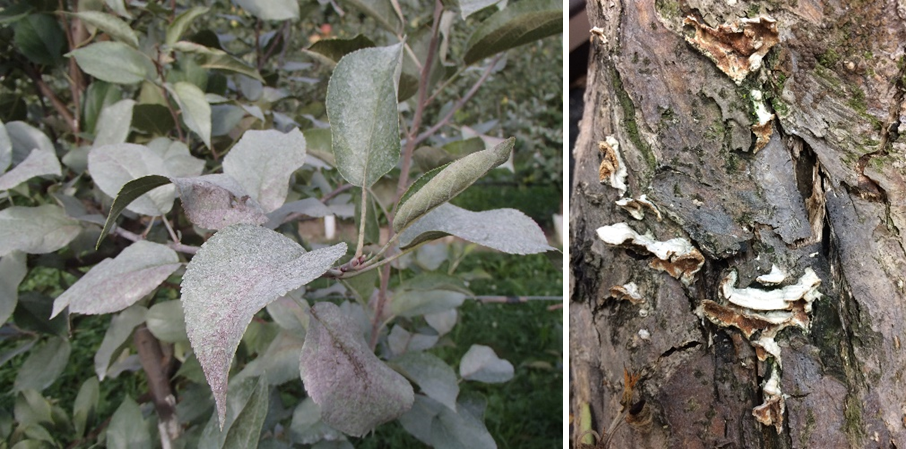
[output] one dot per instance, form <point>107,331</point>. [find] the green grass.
<point>538,201</point>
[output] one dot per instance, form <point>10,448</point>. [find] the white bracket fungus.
<point>779,299</point>
<point>599,32</point>
<point>675,256</point>
<point>627,292</point>
<point>771,411</point>
<point>636,207</point>
<point>775,277</point>
<point>612,170</point>
<point>762,314</point>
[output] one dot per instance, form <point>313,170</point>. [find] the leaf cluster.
<point>167,164</point>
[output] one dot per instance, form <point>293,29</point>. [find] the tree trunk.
<point>817,192</point>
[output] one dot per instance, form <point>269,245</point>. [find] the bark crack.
<point>868,188</point>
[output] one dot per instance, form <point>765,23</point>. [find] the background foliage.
<point>280,83</point>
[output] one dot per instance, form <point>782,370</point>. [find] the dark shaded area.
<point>576,106</point>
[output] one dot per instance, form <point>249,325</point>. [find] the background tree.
<point>764,138</point>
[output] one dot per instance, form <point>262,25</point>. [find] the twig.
<point>420,106</point>
<point>446,83</point>
<point>93,435</point>
<point>287,37</point>
<point>277,38</point>
<point>170,229</point>
<point>156,370</point>
<point>379,308</point>
<point>459,103</point>
<point>258,43</point>
<point>131,236</point>
<point>58,104</point>
<point>362,219</point>
<point>73,33</point>
<point>160,74</point>
<point>331,195</point>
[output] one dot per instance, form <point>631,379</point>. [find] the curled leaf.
<point>450,181</point>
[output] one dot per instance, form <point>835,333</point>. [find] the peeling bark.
<point>826,192</point>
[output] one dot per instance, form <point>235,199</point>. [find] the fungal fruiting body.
<point>762,314</point>
<point>612,170</point>
<point>675,256</point>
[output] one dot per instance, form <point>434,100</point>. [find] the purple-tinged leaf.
<point>235,274</point>
<point>217,201</point>
<point>114,284</point>
<point>355,390</point>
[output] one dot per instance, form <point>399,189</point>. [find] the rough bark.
<point>826,192</point>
